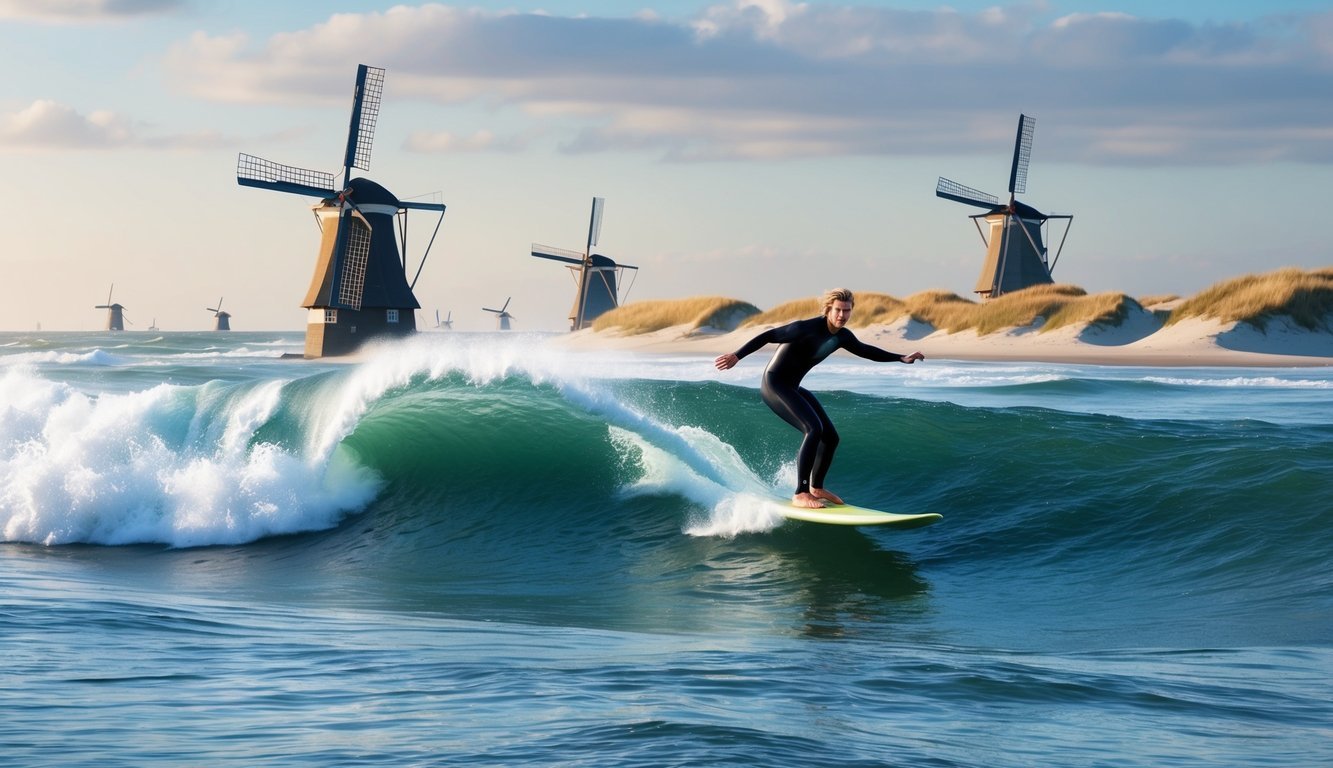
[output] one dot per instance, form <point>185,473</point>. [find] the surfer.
<point>804,344</point>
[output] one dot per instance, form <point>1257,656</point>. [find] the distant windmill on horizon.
<point>502,316</point>
<point>115,313</point>
<point>1016,256</point>
<point>359,290</point>
<point>222,320</point>
<point>595,275</point>
<point>447,323</point>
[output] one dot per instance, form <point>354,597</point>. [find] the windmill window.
<point>391,315</point>
<point>330,316</point>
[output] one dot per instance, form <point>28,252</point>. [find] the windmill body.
<point>221,319</point>
<point>115,313</point>
<point>502,316</point>
<point>115,316</point>
<point>596,276</point>
<point>359,289</point>
<point>1016,254</point>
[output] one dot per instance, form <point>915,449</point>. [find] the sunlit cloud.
<point>769,79</point>
<point>49,125</point>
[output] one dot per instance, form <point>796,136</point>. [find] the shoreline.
<point>1139,341</point>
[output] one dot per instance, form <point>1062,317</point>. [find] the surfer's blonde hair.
<point>837,294</point>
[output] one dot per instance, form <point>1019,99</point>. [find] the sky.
<point>762,150</point>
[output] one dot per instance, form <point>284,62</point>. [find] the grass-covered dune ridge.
<point>1306,297</point>
<point>698,312</point>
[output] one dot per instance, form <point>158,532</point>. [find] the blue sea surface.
<point>487,549</point>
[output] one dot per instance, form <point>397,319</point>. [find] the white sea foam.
<point>158,466</point>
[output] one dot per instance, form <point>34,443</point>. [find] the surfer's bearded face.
<point>839,312</point>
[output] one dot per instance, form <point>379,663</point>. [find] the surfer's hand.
<point>723,362</point>
<point>912,358</point>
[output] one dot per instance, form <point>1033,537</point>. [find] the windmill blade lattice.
<point>1018,172</point>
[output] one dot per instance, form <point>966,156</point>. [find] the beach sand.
<point>1140,340</point>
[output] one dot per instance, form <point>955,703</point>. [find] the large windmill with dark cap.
<point>115,313</point>
<point>360,288</point>
<point>596,276</point>
<point>1016,254</point>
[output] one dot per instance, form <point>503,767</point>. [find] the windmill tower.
<point>359,290</point>
<point>447,323</point>
<point>221,320</point>
<point>594,275</point>
<point>1016,255</point>
<point>115,313</point>
<point>502,316</point>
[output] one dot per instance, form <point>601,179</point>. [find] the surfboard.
<point>847,514</point>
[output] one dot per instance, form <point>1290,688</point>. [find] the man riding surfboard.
<point>803,344</point>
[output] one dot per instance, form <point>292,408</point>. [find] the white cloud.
<point>49,125</point>
<point>84,11</point>
<point>773,78</point>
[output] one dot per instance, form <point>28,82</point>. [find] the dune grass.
<point>1055,305</point>
<point>698,312</point>
<point>1157,298</point>
<point>871,309</point>
<point>1305,297</point>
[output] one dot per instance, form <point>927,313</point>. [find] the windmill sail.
<point>365,112</point>
<point>1018,171</point>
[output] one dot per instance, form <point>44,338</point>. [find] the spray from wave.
<point>233,462</point>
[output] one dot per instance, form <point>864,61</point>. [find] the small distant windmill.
<point>222,320</point>
<point>595,275</point>
<point>115,313</point>
<point>447,323</point>
<point>502,316</point>
<point>153,326</point>
<point>1016,256</point>
<point>360,289</point>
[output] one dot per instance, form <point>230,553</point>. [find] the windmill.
<point>359,289</point>
<point>502,316</point>
<point>222,321</point>
<point>447,323</point>
<point>115,313</point>
<point>1016,256</point>
<point>595,275</point>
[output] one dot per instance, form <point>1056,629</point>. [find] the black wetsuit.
<point>805,344</point>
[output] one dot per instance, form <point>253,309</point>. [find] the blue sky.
<point>759,149</point>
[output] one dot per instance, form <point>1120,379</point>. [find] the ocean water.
<point>481,549</point>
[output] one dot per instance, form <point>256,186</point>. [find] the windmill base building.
<point>365,294</point>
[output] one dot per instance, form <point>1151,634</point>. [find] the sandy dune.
<point>1140,340</point>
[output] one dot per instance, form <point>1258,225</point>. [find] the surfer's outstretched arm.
<point>780,335</point>
<point>872,352</point>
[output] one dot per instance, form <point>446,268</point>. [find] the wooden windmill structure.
<point>115,313</point>
<point>502,316</point>
<point>221,320</point>
<point>1016,253</point>
<point>596,276</point>
<point>360,289</point>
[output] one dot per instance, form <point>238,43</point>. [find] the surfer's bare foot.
<point>807,500</point>
<point>829,496</point>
